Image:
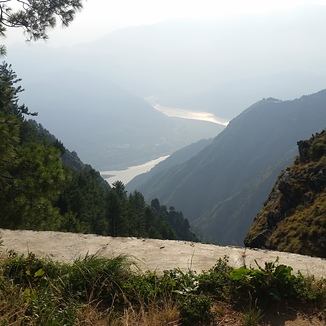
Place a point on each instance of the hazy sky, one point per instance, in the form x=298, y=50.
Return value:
x=99, y=17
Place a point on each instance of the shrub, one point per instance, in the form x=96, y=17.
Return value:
x=217, y=280
x=272, y=283
x=37, y=291
x=100, y=279
x=32, y=292
x=195, y=308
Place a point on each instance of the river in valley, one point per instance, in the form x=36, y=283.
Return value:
x=128, y=174
x=192, y=115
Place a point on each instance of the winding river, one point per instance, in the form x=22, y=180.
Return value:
x=128, y=174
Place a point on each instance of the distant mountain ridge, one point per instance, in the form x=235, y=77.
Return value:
x=222, y=187
x=219, y=66
x=106, y=125
x=198, y=65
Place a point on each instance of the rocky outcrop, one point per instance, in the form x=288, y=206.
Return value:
x=293, y=217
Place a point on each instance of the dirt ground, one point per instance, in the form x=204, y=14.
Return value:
x=159, y=255
x=151, y=254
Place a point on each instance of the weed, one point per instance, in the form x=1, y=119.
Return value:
x=272, y=283
x=100, y=291
x=153, y=314
x=252, y=317
x=195, y=309
x=217, y=280
x=310, y=289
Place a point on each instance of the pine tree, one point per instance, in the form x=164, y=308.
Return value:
x=31, y=174
x=36, y=17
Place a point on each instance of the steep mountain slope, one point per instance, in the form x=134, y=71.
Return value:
x=178, y=157
x=221, y=188
x=294, y=215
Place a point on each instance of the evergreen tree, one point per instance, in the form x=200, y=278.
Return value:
x=36, y=17
x=137, y=207
x=9, y=92
x=82, y=202
x=31, y=174
x=114, y=213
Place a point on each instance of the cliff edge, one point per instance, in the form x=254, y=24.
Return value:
x=293, y=218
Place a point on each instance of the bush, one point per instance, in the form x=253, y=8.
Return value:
x=195, y=308
x=310, y=289
x=30, y=271
x=99, y=279
x=217, y=280
x=36, y=291
x=31, y=292
x=272, y=283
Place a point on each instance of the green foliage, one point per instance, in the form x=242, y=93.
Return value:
x=195, y=309
x=194, y=306
x=216, y=280
x=40, y=192
x=252, y=316
x=37, y=16
x=9, y=92
x=310, y=289
x=145, y=287
x=29, y=271
x=41, y=292
x=52, y=293
x=180, y=286
x=34, y=178
x=176, y=220
x=9, y=131
x=99, y=279
x=31, y=174
x=185, y=282
x=82, y=202
x=293, y=218
x=272, y=283
x=131, y=216
x=38, y=283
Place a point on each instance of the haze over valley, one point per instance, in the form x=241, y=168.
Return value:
x=92, y=95
x=223, y=100
x=163, y=162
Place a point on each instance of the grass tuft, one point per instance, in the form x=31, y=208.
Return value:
x=100, y=291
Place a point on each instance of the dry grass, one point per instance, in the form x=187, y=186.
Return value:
x=154, y=314
x=135, y=308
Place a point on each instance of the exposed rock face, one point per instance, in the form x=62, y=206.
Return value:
x=294, y=216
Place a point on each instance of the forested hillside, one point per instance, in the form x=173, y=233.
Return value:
x=44, y=186
x=294, y=215
x=223, y=186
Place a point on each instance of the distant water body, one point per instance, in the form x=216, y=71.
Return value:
x=186, y=114
x=128, y=174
